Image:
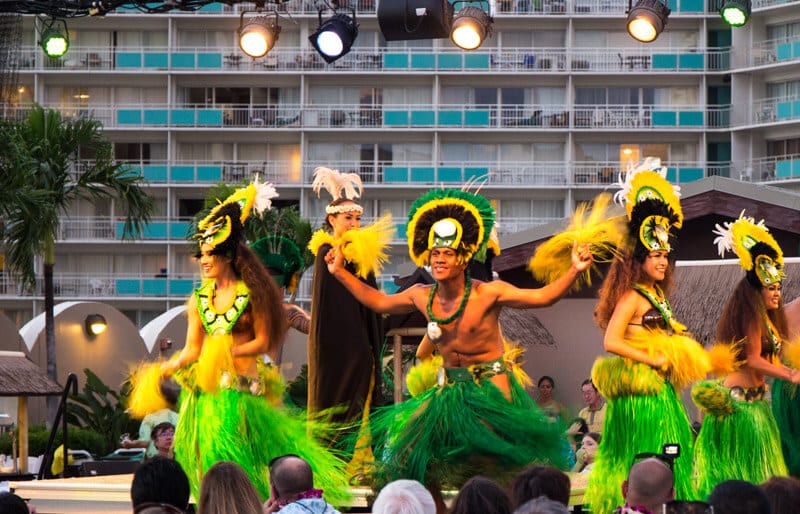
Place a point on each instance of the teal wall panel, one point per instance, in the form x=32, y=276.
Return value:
x=181, y=287
x=423, y=61
x=209, y=173
x=672, y=175
x=784, y=51
x=395, y=174
x=154, y=287
x=449, y=61
x=476, y=118
x=664, y=118
x=425, y=174
x=395, y=60
x=395, y=118
x=182, y=117
x=690, y=118
x=211, y=117
x=470, y=173
x=156, y=116
x=156, y=60
x=179, y=229
x=209, y=60
x=129, y=117
x=129, y=60
x=784, y=110
x=423, y=118
x=450, y=118
x=691, y=6
x=783, y=169
x=691, y=61
x=476, y=61
x=665, y=61
x=690, y=174
x=450, y=175
x=182, y=60
x=124, y=286
x=155, y=173
x=181, y=173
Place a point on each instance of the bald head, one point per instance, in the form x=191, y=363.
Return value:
x=650, y=483
x=291, y=476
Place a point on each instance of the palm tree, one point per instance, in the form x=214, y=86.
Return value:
x=41, y=154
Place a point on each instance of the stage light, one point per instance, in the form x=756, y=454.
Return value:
x=334, y=38
x=54, y=38
x=258, y=34
x=736, y=12
x=647, y=19
x=95, y=325
x=471, y=26
x=415, y=19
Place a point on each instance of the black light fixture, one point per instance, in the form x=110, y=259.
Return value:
x=647, y=19
x=258, y=34
x=415, y=19
x=736, y=12
x=54, y=37
x=335, y=36
x=95, y=325
x=471, y=26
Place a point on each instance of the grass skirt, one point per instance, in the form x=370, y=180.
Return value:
x=743, y=445
x=448, y=434
x=786, y=408
x=640, y=418
x=230, y=425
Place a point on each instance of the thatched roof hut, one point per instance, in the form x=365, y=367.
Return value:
x=523, y=327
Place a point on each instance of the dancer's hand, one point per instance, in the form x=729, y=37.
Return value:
x=335, y=259
x=581, y=256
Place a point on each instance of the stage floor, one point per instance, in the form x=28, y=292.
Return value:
x=112, y=494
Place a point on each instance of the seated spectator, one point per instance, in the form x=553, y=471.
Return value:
x=584, y=457
x=650, y=484
x=739, y=497
x=542, y=505
x=577, y=429
x=291, y=482
x=545, y=398
x=163, y=436
x=783, y=494
x=160, y=482
x=482, y=495
x=404, y=497
x=10, y=503
x=535, y=481
x=226, y=489
x=595, y=411
x=171, y=392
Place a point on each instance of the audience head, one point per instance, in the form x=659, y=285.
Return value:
x=783, y=494
x=738, y=497
x=535, y=481
x=404, y=497
x=542, y=505
x=226, y=489
x=160, y=481
x=10, y=503
x=482, y=495
x=589, y=392
x=650, y=484
x=289, y=476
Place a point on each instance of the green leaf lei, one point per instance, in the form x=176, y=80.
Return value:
x=660, y=304
x=461, y=307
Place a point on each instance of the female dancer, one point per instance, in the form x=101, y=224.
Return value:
x=228, y=404
x=739, y=438
x=644, y=411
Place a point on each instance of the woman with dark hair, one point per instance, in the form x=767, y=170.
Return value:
x=584, y=457
x=482, y=495
x=345, y=338
x=739, y=439
x=783, y=494
x=654, y=359
x=535, y=481
x=545, y=399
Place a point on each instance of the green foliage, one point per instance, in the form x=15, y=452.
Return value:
x=101, y=409
x=296, y=393
x=78, y=439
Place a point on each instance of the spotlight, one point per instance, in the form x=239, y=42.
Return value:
x=95, y=325
x=647, y=19
x=334, y=38
x=471, y=26
x=736, y=12
x=54, y=38
x=258, y=35
x=415, y=19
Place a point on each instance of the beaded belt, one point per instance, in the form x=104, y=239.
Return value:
x=748, y=394
x=473, y=373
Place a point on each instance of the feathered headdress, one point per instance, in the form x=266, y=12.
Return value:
x=653, y=207
x=449, y=218
x=282, y=255
x=758, y=252
x=337, y=183
x=223, y=228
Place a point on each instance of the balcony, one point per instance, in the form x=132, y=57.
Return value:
x=772, y=169
x=772, y=110
x=91, y=286
x=107, y=228
x=606, y=173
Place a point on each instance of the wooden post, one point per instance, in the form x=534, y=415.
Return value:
x=22, y=433
x=397, y=340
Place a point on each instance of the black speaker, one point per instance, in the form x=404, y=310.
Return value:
x=400, y=20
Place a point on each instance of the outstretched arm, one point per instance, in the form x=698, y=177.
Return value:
x=511, y=296
x=378, y=301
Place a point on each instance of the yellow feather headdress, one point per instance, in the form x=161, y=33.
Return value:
x=758, y=252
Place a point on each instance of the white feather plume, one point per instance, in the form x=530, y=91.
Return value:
x=625, y=181
x=265, y=192
x=724, y=239
x=335, y=182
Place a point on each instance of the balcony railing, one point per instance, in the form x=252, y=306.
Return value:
x=94, y=285
x=771, y=169
x=107, y=228
x=385, y=60
x=773, y=110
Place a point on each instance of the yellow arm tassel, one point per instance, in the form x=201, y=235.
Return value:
x=215, y=357
x=595, y=226
x=615, y=377
x=687, y=360
x=145, y=396
x=366, y=247
x=274, y=385
x=422, y=377
x=723, y=359
x=713, y=398
x=791, y=353
x=512, y=356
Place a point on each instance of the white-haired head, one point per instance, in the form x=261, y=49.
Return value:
x=404, y=497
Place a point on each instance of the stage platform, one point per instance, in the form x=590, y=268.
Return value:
x=111, y=494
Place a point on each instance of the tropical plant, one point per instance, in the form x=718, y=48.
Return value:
x=43, y=154
x=100, y=409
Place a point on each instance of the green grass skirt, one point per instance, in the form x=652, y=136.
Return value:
x=744, y=445
x=786, y=408
x=636, y=423
x=448, y=434
x=237, y=426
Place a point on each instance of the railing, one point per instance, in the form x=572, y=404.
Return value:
x=764, y=4
x=94, y=285
x=772, y=110
x=771, y=169
x=386, y=60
